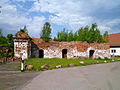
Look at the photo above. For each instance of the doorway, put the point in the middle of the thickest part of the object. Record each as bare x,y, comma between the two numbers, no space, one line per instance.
41,53
64,53
91,53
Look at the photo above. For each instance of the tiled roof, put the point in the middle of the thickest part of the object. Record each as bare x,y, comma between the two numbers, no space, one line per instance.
114,39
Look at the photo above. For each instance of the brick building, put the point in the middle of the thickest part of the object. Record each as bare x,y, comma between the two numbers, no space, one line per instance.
37,48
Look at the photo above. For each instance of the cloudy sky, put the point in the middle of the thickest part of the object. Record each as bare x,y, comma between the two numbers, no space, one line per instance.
71,14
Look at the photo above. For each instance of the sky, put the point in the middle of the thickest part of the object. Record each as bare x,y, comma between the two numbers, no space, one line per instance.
69,14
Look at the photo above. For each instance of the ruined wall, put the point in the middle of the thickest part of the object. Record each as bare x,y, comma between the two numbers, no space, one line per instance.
22,47
74,49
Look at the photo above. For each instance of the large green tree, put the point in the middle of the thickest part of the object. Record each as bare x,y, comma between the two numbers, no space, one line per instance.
46,31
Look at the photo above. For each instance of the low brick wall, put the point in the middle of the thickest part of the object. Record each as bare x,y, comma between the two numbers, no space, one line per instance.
10,59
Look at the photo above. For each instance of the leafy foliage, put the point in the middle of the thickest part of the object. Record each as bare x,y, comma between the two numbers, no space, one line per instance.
46,31
106,36
24,29
85,34
6,43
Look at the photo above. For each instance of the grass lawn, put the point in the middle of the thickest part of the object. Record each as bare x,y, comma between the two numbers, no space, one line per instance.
38,62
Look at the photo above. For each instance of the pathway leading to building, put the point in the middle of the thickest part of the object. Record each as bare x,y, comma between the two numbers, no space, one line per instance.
92,77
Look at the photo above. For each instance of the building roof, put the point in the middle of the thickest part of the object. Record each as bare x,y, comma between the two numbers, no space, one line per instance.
114,39
22,35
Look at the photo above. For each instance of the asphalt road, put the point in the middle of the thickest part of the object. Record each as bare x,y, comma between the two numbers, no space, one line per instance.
92,77
14,80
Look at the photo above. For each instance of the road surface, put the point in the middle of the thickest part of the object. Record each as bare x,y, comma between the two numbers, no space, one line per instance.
91,77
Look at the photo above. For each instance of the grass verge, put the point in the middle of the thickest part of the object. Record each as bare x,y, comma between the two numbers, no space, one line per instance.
38,62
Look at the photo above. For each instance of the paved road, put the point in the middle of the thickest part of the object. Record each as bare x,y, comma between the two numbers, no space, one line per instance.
10,66
92,77
14,80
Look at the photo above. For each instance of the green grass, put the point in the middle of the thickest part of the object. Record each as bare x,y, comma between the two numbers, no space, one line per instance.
38,62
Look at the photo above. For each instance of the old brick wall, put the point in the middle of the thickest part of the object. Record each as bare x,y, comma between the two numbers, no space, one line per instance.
74,49
22,47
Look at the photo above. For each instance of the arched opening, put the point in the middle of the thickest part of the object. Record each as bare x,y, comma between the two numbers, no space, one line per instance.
41,53
64,53
91,52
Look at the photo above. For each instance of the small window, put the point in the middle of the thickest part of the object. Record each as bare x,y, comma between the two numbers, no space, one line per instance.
113,51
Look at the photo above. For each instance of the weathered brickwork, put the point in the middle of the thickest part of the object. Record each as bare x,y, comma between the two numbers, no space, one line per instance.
74,49
22,47
38,48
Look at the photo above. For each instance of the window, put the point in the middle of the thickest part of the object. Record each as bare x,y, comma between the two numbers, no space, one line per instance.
113,51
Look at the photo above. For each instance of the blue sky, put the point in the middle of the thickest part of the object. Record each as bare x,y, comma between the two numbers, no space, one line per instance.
69,14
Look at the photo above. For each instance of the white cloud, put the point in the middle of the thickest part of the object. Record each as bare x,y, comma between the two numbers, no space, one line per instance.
12,21
11,18
74,13
24,0
71,13
108,25
35,27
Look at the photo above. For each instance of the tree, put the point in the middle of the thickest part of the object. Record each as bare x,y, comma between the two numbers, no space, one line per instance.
92,32
10,40
106,36
0,32
70,36
10,45
86,33
24,29
46,31
80,34
75,36
62,36
0,7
